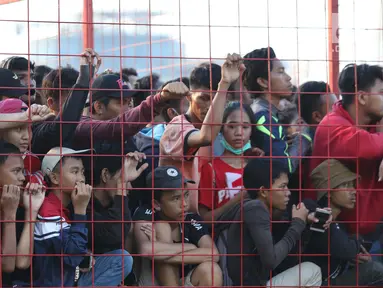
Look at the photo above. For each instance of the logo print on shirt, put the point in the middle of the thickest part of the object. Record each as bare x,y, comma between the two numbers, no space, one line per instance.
15,77
120,83
233,182
172,172
196,225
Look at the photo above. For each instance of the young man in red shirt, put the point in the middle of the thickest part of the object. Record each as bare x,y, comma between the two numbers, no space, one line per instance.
346,135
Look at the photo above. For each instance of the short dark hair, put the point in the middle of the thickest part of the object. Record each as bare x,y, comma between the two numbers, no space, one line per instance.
233,106
111,159
129,72
310,98
257,66
175,103
64,78
206,75
158,194
144,84
17,63
184,80
40,72
361,77
257,174
7,149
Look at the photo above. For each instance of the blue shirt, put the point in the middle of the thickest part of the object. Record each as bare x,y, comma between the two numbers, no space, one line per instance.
57,234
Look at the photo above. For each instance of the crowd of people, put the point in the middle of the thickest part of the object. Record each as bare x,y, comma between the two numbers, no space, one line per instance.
216,179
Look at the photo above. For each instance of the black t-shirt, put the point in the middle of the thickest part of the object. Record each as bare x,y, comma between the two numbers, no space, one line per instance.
192,230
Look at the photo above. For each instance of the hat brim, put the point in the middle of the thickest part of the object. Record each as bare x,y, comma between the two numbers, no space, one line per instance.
116,94
348,178
169,185
14,93
189,181
55,159
75,152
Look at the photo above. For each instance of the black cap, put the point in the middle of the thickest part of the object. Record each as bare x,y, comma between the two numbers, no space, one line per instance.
111,86
166,177
10,85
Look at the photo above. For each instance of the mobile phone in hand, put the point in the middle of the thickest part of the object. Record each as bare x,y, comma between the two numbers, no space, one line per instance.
87,262
322,215
367,245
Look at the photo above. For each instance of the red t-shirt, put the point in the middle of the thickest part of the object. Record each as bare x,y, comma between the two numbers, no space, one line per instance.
228,183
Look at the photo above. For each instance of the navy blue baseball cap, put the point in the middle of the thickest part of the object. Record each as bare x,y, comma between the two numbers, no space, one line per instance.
110,86
10,85
166,177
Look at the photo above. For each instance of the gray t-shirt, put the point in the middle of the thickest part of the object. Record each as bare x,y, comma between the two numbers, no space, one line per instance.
253,239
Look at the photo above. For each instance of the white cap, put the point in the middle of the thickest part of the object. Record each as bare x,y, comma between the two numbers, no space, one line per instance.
53,157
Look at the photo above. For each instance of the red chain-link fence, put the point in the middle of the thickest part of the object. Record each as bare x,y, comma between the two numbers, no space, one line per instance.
165,40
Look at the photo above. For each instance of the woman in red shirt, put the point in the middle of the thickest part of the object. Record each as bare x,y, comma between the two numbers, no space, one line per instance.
221,182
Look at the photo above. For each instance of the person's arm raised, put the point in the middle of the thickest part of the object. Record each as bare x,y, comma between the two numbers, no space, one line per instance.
132,121
231,71
66,121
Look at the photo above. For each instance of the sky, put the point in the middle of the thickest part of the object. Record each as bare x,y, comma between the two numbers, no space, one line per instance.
296,29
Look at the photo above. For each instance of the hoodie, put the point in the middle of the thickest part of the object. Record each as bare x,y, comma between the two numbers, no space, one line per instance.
361,151
148,142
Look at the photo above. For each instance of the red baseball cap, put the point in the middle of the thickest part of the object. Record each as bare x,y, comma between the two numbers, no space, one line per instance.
12,105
